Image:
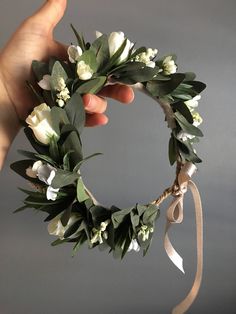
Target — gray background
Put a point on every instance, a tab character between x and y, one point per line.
38	279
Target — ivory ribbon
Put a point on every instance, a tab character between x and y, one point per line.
175	215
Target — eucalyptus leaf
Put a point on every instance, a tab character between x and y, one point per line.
184	110
162	88
40	69
66	216
150	214
80	38
63	178
75	112
92	86
186	126
89	58
173	152
27	154
101	50
81	193
58	72
20	168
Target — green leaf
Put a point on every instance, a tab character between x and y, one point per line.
92	86
173	152
114	58
57	73
20	168
101	50
46	158
184	110
142	75
99	214
27	154
75	112
39	147
59	118
134	219
66	216
186	126
40	69
190	76
72	229
58	241
119	216
198	87
63	178
150	214
81	193
66	160
54	150
77	167
80	38
162	88
89	58
35	93
20	209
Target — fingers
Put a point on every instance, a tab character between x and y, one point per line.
50	14
94	104
96	119
122	93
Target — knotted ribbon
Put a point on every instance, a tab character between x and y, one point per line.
175	215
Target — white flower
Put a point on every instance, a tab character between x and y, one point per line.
74	52
99	234
169	66
45	173
115	41
32	172
193	103
146	57
134	246
51	193
84	71
56	228
144	232
64	93
40	122
45	82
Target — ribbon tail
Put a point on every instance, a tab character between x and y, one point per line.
173	255
187	302
174	215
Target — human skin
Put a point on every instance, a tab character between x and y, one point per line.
34	40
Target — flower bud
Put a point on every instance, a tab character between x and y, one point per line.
40	122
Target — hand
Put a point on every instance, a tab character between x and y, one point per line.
34	40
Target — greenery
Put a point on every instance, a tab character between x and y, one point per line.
54	168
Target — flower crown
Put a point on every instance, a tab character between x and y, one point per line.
54	130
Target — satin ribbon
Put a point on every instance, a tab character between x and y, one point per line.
175	215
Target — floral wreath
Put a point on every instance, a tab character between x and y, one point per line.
54	130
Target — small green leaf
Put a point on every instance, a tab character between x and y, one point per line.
58	72
137	52
101	50
20	168
184	110
150	214
77	167
80	38
63	178
92	86
89	58
173	153
40	69
162	88
66	216
81	193
75	112
20	209
54	149
186	126
27	154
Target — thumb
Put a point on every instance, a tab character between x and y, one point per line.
50	13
